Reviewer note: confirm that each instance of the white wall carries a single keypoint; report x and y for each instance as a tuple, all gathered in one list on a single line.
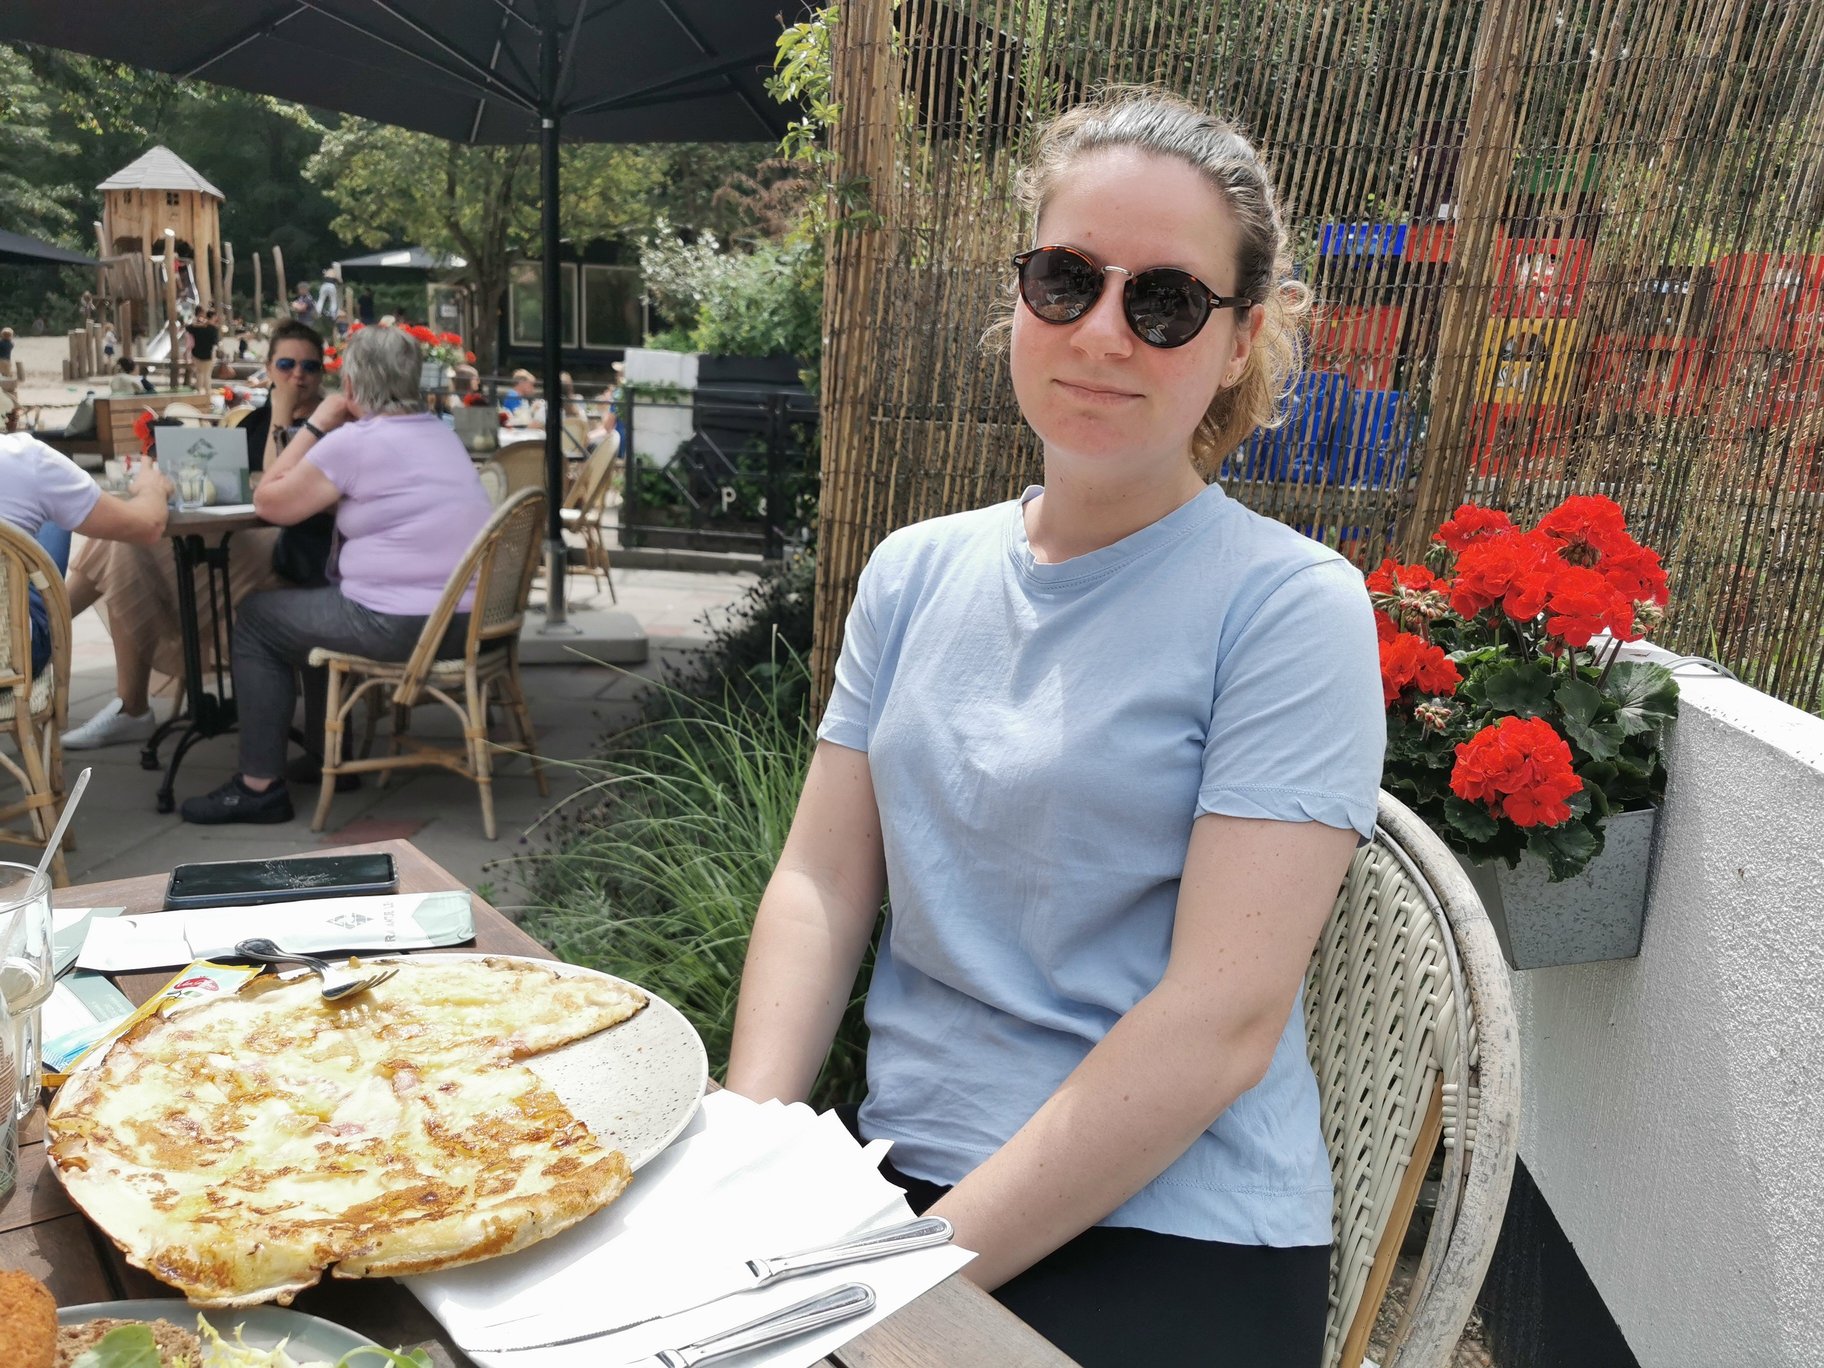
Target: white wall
[(1674, 1104)]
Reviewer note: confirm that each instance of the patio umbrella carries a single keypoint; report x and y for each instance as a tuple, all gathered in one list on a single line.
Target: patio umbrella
[(400, 261), (18, 249), (482, 71)]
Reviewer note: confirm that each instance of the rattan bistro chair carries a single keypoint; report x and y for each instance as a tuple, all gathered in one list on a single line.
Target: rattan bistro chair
[(33, 712), (500, 562), (587, 504), (1410, 1025)]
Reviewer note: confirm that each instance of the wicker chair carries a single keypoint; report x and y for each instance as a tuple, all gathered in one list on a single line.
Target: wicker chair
[(33, 712), (1410, 1025), (499, 562), (588, 501), (516, 466)]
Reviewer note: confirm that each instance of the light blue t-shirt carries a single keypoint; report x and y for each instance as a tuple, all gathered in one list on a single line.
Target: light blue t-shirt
[(1041, 738)]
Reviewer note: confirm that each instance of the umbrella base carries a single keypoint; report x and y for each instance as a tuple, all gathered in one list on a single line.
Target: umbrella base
[(604, 634)]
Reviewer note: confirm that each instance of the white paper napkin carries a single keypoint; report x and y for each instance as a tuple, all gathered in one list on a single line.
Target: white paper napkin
[(392, 921), (746, 1180)]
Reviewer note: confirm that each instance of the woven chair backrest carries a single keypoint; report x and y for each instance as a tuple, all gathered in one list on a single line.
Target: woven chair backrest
[(523, 464), (26, 565), (597, 480), (1386, 1012), (499, 562)]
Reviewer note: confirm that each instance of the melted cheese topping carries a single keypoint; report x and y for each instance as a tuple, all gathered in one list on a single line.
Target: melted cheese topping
[(239, 1147)]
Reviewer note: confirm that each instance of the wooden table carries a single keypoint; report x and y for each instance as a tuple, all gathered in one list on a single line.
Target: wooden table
[(953, 1326)]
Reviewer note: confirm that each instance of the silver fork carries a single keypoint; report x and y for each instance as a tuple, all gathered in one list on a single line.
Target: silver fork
[(337, 983)]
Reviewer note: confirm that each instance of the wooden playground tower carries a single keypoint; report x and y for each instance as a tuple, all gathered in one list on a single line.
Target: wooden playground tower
[(159, 210)]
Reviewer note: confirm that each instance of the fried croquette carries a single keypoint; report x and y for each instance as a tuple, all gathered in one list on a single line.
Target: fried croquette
[(28, 1321)]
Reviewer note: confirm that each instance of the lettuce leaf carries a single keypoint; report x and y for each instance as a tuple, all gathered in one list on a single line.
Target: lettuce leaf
[(125, 1346)]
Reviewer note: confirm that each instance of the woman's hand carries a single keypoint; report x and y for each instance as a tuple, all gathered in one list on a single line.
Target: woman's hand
[(332, 413)]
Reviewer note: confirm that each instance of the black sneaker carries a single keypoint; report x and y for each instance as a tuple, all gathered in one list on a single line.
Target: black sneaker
[(307, 769), (235, 802)]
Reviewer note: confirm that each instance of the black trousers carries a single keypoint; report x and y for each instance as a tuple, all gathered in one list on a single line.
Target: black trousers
[(1115, 1297)]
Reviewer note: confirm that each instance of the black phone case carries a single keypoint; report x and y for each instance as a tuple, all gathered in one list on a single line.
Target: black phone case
[(256, 895)]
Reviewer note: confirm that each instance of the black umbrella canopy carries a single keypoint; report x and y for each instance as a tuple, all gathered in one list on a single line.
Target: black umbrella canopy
[(20, 249), (483, 71), (468, 70)]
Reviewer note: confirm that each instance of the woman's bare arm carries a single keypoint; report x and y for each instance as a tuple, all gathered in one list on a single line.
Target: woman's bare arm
[(811, 931), (1254, 898)]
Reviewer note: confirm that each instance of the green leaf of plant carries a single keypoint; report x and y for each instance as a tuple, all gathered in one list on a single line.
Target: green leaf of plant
[(1581, 707), (1645, 695), (1566, 849), (125, 1346), (1476, 822), (1522, 690)]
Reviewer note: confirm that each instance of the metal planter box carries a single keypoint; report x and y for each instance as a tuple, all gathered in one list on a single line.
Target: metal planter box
[(1596, 916)]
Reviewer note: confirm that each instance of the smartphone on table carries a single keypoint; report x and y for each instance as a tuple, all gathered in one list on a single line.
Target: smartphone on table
[(247, 883)]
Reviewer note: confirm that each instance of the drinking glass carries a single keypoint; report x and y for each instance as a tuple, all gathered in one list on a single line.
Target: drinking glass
[(9, 1119), (25, 977), (192, 484)]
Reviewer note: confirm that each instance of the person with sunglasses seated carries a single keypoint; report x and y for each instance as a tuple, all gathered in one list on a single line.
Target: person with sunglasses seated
[(407, 502), (1111, 745), (136, 586)]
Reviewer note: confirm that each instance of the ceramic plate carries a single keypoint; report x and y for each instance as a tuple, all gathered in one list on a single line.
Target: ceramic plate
[(311, 1340), (636, 1085)]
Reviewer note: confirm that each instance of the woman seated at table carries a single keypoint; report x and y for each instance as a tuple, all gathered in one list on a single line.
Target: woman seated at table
[(46, 495), (407, 502), (135, 587), (1111, 746)]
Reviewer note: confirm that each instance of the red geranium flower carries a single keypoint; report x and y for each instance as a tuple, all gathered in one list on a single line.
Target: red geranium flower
[(1512, 569), (469, 356), (356, 327), (1519, 768), (142, 429), (1635, 573), (1409, 662), (1582, 603), (1588, 525), (1470, 523), (1384, 630), (1392, 574)]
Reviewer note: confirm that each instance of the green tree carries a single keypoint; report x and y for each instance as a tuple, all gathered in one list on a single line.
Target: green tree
[(481, 203), (34, 196)]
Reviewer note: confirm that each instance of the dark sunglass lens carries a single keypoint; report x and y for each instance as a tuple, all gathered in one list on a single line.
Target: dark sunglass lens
[(1059, 286), (312, 367), (284, 363), (1166, 308)]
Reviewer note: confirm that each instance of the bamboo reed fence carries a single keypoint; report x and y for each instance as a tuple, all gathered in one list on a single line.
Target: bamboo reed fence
[(1558, 247)]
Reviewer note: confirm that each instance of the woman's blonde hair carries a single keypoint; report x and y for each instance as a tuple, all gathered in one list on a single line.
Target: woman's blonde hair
[(1150, 120)]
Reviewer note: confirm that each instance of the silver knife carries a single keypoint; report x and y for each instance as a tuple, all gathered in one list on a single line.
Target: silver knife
[(875, 1244), (813, 1313)]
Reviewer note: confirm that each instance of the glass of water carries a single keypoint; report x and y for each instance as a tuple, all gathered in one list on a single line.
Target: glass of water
[(25, 978), (192, 484)]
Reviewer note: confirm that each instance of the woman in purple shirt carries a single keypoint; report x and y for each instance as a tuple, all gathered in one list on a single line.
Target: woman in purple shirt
[(408, 503)]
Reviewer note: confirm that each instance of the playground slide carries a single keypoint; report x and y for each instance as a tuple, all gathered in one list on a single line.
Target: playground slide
[(158, 346)]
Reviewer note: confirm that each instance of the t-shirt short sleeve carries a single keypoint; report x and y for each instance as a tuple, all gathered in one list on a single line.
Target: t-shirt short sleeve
[(1298, 732), (66, 493), (337, 456), (847, 717)]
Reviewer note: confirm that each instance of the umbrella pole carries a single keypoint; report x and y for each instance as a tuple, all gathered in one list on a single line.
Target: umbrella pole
[(557, 555)]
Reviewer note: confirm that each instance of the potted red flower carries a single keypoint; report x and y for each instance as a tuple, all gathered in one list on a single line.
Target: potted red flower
[(1514, 728)]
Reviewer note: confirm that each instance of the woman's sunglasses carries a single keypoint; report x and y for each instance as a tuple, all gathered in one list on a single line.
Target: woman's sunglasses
[(286, 364), (1165, 307)]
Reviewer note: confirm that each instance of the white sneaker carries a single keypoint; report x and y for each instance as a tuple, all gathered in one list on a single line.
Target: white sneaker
[(110, 727)]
